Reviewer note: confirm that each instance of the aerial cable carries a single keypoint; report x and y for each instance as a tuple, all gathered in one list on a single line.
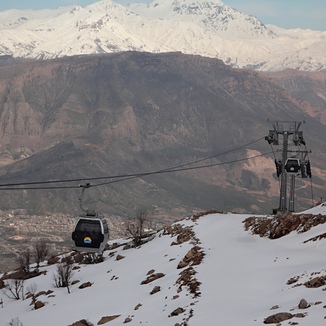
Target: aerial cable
[(277, 168), (311, 184), (40, 188), (137, 175), (116, 176), (178, 168), (183, 169)]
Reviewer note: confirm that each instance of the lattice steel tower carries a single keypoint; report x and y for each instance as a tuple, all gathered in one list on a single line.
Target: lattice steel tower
[(289, 166)]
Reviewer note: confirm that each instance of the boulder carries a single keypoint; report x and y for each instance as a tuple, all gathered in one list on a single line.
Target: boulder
[(278, 318), (303, 304)]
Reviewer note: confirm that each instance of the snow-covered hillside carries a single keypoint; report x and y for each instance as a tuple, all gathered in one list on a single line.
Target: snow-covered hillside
[(208, 28), (204, 270)]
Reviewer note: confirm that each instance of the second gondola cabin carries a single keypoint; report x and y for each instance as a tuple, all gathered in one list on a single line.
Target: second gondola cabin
[(90, 234)]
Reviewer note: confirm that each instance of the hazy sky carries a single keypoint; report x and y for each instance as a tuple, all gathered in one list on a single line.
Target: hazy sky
[(284, 13)]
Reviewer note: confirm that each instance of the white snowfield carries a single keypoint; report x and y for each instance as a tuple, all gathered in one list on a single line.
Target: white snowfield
[(207, 28), (241, 277)]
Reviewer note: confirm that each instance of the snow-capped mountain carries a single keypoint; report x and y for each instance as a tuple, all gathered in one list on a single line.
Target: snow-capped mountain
[(207, 269), (207, 28)]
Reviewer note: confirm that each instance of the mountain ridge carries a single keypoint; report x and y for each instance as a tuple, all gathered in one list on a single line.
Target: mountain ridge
[(206, 28), (137, 112)]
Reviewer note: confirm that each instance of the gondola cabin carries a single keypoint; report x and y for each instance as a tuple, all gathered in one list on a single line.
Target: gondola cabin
[(90, 234), (292, 166)]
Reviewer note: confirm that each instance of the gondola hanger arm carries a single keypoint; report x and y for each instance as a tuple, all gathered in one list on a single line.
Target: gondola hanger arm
[(80, 199)]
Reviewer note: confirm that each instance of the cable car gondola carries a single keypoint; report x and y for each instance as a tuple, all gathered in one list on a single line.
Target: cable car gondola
[(90, 234), (292, 165)]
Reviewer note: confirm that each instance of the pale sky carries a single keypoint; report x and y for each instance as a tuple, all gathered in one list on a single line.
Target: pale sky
[(307, 14)]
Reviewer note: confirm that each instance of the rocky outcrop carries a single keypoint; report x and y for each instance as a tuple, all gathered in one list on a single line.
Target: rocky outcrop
[(152, 278), (281, 225)]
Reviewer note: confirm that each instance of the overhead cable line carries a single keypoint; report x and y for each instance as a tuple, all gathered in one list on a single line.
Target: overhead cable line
[(178, 167), (183, 169), (311, 184), (12, 186), (124, 175), (139, 175)]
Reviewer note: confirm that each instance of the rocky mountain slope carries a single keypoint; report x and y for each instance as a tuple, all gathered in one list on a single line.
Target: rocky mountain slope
[(182, 274), (97, 117), (308, 88), (208, 28)]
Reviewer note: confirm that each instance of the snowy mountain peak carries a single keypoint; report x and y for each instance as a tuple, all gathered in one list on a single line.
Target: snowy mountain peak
[(201, 27), (103, 5), (214, 16), (199, 7)]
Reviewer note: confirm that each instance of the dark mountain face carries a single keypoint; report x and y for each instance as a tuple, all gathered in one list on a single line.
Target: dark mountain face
[(99, 116)]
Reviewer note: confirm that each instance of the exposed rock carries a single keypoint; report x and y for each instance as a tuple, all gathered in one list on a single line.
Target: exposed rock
[(275, 307), (53, 260), (182, 264), (303, 304), (78, 258), (2, 284), (106, 319), (292, 280), (176, 312), (193, 257), (82, 322), (119, 257), (184, 234), (85, 285), (317, 237), (21, 275), (151, 271), (300, 315), (316, 282), (127, 246), (38, 305), (278, 318), (155, 289), (127, 320), (75, 268), (114, 245), (40, 293), (152, 278), (43, 293), (196, 216), (187, 279), (282, 225), (138, 306)]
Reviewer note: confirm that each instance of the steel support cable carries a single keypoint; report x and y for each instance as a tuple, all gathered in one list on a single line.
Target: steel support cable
[(116, 176), (138, 175), (278, 177), (184, 169), (311, 184)]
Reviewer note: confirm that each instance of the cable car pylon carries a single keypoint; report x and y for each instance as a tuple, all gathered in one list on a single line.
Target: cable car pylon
[(291, 166)]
